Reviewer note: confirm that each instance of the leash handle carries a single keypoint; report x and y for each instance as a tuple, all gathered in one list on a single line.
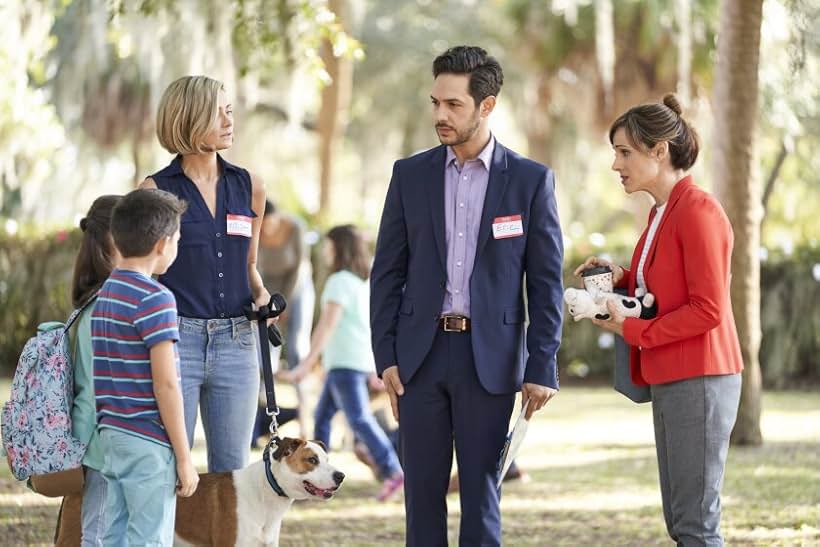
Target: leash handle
[(267, 334)]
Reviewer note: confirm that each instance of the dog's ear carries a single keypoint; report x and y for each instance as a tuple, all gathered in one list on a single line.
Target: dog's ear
[(286, 447), (320, 443)]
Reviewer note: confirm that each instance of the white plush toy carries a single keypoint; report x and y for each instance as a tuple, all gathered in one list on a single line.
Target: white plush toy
[(581, 304)]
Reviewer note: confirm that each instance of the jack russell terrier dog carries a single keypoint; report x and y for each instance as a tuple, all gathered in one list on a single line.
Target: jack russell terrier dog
[(243, 507)]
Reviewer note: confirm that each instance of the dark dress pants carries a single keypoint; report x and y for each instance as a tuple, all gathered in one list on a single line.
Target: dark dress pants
[(444, 403)]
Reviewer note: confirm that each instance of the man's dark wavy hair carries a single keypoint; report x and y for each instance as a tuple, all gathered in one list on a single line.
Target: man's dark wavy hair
[(486, 76)]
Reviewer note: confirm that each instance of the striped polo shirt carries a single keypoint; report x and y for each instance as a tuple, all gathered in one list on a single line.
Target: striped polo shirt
[(133, 313)]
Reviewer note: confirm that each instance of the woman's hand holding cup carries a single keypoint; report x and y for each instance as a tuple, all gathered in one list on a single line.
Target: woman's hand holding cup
[(594, 262)]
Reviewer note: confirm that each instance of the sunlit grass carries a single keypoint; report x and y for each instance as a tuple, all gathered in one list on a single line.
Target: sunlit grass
[(593, 481)]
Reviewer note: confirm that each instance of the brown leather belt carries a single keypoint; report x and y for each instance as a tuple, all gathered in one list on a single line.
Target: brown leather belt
[(454, 323)]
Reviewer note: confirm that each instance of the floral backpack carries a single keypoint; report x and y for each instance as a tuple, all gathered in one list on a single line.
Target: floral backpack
[(36, 420)]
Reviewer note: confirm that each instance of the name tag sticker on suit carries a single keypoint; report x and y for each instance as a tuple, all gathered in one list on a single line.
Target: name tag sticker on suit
[(239, 225), (509, 226)]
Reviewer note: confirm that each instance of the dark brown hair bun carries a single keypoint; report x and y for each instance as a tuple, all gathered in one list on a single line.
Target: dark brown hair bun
[(672, 102)]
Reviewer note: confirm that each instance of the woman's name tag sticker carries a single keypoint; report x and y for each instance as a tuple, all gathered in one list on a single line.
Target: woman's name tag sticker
[(509, 226), (239, 225)]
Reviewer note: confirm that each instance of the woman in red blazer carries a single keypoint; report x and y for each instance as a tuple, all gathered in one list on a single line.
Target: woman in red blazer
[(689, 352)]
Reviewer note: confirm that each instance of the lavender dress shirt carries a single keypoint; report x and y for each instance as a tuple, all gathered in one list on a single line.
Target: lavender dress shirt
[(464, 189)]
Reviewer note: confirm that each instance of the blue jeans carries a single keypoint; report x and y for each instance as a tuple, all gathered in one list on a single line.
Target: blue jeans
[(220, 376), (140, 477), (346, 390), (93, 512)]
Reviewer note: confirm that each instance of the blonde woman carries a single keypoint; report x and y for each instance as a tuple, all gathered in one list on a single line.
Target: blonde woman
[(215, 274)]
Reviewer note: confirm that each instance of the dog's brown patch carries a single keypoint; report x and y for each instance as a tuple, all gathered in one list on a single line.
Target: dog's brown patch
[(303, 460), (287, 446), (215, 496)]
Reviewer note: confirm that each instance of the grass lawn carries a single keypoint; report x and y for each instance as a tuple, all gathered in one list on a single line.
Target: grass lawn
[(590, 456)]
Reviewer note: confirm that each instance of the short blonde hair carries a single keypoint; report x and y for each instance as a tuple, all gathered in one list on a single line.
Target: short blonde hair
[(187, 112)]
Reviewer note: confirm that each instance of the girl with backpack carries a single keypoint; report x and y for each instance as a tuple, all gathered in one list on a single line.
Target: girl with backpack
[(95, 260)]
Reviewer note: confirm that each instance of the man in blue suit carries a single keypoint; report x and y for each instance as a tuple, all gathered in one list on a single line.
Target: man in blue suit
[(465, 225)]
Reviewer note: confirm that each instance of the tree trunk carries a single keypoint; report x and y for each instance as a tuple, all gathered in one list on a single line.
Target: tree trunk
[(333, 111), (683, 15), (537, 126), (738, 188), (605, 50)]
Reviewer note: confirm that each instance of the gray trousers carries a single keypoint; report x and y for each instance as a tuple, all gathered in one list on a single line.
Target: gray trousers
[(693, 420)]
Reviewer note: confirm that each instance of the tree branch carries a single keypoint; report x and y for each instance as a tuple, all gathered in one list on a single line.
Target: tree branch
[(772, 178)]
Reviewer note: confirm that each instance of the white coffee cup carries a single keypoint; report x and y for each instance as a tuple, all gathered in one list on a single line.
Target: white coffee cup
[(597, 280)]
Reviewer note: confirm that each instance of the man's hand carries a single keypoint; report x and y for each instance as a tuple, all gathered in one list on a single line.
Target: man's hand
[(537, 396), (392, 385), (187, 478)]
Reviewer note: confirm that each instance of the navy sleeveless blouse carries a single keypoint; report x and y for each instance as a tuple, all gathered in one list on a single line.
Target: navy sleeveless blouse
[(209, 278)]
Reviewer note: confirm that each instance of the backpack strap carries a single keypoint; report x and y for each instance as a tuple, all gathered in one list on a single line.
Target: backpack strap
[(76, 313)]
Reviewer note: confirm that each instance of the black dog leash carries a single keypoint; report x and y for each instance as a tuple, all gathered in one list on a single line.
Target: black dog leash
[(270, 333)]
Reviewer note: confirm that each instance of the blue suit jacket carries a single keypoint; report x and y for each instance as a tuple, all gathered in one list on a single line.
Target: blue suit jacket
[(409, 272)]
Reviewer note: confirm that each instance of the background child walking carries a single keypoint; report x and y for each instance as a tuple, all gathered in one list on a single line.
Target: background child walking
[(342, 338), (136, 370)]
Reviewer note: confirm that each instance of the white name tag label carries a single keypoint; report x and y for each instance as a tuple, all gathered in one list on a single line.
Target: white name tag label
[(509, 226), (239, 225)]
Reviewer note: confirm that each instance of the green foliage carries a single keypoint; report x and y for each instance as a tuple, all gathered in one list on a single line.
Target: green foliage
[(35, 286), (84, 111), (271, 34), (267, 34), (790, 318), (790, 123), (392, 82), (29, 128), (555, 33)]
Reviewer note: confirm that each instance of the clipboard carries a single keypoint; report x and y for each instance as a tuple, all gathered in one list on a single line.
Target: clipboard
[(512, 444)]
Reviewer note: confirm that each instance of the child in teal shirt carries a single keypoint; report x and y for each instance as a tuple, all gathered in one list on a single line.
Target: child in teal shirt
[(342, 338)]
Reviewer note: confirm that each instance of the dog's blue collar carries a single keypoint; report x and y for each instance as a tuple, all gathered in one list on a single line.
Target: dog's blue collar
[(269, 475)]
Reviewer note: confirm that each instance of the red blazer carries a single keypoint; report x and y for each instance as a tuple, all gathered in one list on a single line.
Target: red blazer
[(687, 269)]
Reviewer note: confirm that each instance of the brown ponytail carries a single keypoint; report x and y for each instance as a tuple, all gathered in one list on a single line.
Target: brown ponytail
[(95, 259)]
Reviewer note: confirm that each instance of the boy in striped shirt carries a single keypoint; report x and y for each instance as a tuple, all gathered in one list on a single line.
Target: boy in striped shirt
[(136, 376)]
